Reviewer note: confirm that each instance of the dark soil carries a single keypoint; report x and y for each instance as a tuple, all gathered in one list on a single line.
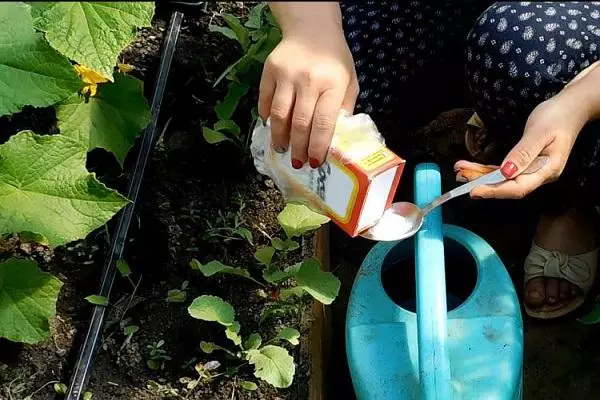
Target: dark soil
[(186, 184)]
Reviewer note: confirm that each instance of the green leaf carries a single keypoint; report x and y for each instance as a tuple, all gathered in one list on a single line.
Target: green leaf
[(60, 388), (97, 300), (255, 16), (273, 275), (274, 365), (290, 334), (111, 120), (321, 285), (297, 219), (267, 45), (253, 342), (276, 309), (45, 188), (123, 268), (232, 333), (241, 33), (235, 91), (212, 136), (228, 126), (92, 33), (249, 386), (130, 330), (215, 267), (176, 296), (27, 300), (228, 70), (31, 72), (245, 234), (264, 255), (223, 30), (288, 293), (212, 308), (208, 347), (285, 245)]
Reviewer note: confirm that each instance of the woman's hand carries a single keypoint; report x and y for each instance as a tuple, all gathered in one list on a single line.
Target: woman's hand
[(551, 130), (307, 80)]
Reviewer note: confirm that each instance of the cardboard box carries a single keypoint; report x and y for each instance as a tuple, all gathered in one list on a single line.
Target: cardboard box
[(356, 191)]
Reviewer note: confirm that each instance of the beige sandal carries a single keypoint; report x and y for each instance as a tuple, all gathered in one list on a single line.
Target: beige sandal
[(580, 270)]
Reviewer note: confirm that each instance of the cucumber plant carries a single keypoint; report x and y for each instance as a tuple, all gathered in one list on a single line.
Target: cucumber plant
[(61, 55), (257, 37)]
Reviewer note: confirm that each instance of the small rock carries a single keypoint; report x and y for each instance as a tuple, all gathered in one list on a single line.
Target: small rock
[(269, 183), (26, 248)]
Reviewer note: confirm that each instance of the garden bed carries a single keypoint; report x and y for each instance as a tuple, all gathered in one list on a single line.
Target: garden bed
[(190, 188)]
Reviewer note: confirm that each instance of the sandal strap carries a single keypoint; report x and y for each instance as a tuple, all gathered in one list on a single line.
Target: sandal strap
[(580, 269)]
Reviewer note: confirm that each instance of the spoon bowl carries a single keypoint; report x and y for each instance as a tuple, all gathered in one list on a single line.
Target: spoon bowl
[(403, 219)]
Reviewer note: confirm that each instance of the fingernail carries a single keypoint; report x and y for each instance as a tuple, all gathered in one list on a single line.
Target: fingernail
[(509, 169), (297, 164), (279, 149), (314, 163)]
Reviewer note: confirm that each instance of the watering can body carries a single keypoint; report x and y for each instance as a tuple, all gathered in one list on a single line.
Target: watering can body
[(473, 352)]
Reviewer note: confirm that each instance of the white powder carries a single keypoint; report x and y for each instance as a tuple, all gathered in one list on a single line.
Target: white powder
[(390, 226)]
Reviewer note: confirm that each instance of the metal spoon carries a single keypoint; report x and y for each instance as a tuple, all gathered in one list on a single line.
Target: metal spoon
[(404, 219)]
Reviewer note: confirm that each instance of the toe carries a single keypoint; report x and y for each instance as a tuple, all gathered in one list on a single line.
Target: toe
[(564, 290), (535, 292), (552, 294)]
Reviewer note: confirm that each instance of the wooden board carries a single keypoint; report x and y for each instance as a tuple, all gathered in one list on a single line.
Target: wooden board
[(320, 328)]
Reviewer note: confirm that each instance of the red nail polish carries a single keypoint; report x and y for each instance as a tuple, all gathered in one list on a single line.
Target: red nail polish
[(314, 163), (509, 169), (297, 164)]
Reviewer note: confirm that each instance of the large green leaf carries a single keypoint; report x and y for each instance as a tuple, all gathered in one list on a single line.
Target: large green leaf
[(31, 72), (321, 285), (111, 120), (273, 364), (45, 189), (27, 300), (92, 33), (212, 308), (297, 219)]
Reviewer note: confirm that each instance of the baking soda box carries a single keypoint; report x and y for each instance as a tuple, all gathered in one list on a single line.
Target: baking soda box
[(354, 186)]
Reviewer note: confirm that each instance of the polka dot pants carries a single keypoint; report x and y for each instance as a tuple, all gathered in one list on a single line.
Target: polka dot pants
[(415, 58)]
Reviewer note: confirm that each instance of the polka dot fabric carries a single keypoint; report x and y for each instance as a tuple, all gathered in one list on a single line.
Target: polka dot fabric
[(509, 55)]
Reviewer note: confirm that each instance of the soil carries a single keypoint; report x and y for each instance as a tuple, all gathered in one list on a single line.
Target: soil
[(187, 183)]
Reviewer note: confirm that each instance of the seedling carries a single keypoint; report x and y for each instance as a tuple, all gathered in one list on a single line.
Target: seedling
[(229, 226), (177, 295), (257, 37), (284, 284), (157, 356), (271, 363)]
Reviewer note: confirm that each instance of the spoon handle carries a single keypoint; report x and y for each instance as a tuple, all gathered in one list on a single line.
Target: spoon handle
[(487, 179)]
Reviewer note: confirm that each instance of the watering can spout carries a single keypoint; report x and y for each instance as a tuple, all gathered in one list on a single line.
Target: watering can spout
[(432, 327)]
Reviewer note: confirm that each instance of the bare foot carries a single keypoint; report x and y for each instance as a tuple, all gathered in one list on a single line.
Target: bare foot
[(571, 234)]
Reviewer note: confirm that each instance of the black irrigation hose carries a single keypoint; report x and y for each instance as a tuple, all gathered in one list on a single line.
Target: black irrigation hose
[(87, 353)]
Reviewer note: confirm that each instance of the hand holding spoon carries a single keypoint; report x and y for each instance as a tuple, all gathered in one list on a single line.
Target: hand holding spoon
[(403, 219)]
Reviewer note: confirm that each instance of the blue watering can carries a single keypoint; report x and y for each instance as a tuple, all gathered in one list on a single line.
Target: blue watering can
[(472, 352)]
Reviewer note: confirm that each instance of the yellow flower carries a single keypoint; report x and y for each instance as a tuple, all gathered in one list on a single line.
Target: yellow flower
[(125, 68), (91, 78)]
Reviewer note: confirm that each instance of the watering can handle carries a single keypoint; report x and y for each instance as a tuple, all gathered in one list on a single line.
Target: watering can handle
[(432, 330)]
